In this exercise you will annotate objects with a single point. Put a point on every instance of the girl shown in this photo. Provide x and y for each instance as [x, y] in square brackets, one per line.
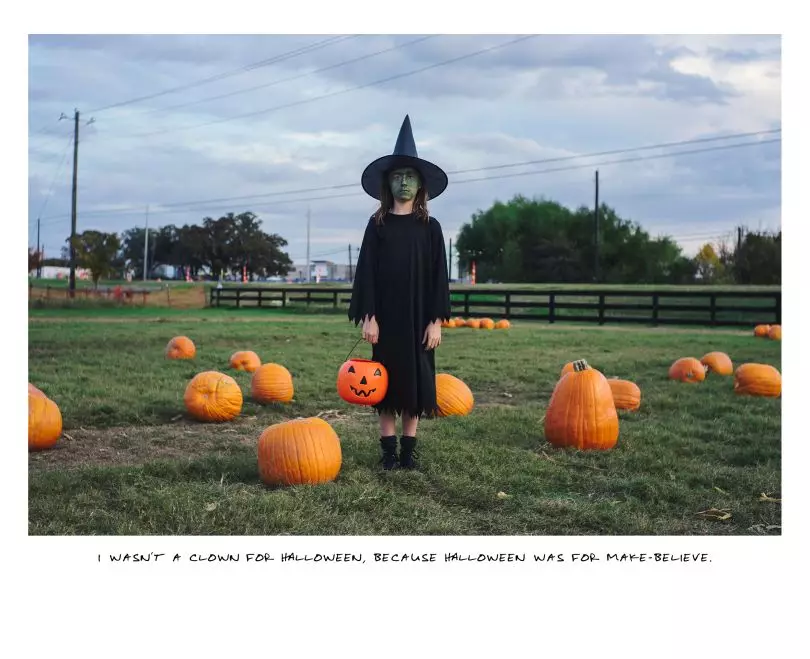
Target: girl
[401, 293]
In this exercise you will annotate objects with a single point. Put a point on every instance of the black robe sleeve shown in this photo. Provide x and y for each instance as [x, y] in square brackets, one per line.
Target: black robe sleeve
[440, 304]
[363, 290]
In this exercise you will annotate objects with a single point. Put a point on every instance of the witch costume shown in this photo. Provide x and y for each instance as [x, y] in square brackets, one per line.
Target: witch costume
[401, 280]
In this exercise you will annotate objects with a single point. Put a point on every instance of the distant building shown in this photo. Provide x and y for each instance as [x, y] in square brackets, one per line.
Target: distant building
[60, 272]
[319, 270]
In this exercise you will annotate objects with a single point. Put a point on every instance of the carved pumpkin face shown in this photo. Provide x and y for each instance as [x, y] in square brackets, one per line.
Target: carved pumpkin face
[362, 382]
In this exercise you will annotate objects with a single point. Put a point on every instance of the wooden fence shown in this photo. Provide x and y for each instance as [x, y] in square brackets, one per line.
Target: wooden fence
[711, 308]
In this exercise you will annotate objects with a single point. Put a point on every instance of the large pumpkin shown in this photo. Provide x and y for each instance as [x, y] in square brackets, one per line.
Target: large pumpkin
[581, 412]
[687, 369]
[453, 397]
[502, 324]
[362, 382]
[44, 422]
[775, 333]
[626, 394]
[181, 347]
[460, 322]
[487, 323]
[475, 323]
[213, 396]
[299, 451]
[718, 362]
[33, 391]
[762, 330]
[758, 380]
[245, 360]
[272, 383]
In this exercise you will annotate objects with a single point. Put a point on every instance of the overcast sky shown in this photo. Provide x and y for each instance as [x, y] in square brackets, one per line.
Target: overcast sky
[195, 118]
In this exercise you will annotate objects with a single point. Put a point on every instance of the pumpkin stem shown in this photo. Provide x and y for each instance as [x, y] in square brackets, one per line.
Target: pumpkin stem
[580, 365]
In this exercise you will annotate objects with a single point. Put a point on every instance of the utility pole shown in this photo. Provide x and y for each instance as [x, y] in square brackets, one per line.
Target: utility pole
[146, 244]
[351, 277]
[72, 282]
[309, 269]
[72, 285]
[39, 255]
[596, 232]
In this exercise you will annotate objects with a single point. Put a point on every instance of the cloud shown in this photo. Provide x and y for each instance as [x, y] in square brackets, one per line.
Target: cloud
[546, 97]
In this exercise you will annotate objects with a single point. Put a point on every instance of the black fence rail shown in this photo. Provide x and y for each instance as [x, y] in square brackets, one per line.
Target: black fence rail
[712, 308]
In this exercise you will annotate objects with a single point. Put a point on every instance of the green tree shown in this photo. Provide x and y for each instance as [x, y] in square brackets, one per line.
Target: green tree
[542, 241]
[758, 259]
[97, 252]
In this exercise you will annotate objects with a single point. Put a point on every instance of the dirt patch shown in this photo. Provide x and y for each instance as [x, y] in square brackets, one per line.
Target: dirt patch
[135, 445]
[131, 445]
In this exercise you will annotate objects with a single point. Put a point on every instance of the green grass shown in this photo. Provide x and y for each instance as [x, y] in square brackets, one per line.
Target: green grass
[131, 463]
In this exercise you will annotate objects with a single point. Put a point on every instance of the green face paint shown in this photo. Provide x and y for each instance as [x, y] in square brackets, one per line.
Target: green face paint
[404, 183]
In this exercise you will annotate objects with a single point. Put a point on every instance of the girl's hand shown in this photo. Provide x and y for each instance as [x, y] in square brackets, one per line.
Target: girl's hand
[433, 335]
[371, 331]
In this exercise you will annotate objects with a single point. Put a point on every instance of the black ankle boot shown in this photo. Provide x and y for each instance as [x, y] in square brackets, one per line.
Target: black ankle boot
[389, 449]
[408, 452]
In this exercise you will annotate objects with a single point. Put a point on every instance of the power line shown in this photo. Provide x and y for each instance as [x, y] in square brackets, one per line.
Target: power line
[474, 180]
[53, 181]
[220, 76]
[296, 77]
[345, 186]
[329, 95]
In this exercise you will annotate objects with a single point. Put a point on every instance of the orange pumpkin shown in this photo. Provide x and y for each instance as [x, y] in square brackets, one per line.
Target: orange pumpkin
[581, 413]
[44, 422]
[758, 380]
[775, 333]
[502, 324]
[298, 452]
[272, 383]
[33, 391]
[212, 396]
[453, 397]
[362, 382]
[626, 394]
[487, 323]
[475, 323]
[181, 347]
[245, 360]
[718, 362]
[687, 369]
[460, 322]
[451, 322]
[761, 331]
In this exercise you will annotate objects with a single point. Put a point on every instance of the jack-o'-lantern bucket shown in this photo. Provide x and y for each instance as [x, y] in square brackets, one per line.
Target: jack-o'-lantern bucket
[362, 381]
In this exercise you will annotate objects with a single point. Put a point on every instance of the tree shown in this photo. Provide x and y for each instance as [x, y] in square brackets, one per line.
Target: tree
[228, 244]
[708, 266]
[540, 240]
[97, 252]
[758, 259]
[34, 259]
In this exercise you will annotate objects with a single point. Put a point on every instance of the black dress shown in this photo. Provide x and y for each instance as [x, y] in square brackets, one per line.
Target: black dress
[401, 279]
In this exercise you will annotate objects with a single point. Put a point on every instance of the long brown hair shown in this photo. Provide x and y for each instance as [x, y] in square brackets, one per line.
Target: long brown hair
[420, 208]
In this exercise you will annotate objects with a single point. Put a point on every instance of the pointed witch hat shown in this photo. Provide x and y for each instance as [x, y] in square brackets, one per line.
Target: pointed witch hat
[433, 177]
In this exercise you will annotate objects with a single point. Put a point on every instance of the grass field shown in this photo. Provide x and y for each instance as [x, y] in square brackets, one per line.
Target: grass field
[131, 463]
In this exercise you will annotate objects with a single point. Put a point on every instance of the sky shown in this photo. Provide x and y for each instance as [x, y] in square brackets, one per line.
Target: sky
[177, 128]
